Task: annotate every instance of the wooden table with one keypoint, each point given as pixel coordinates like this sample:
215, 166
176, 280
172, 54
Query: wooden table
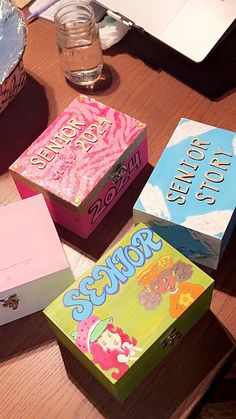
40, 379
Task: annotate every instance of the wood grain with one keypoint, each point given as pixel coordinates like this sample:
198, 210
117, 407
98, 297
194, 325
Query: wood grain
40, 379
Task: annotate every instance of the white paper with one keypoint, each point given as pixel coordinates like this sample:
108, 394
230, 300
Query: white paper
49, 13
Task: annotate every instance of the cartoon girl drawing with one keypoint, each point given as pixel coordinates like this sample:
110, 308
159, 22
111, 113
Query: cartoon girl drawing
109, 346
168, 277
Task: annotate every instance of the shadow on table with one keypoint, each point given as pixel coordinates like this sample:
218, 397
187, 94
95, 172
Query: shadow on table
107, 83
173, 388
220, 400
95, 245
22, 122
225, 275
23, 335
214, 77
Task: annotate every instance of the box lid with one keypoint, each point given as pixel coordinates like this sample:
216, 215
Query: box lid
30, 246
192, 183
74, 156
115, 311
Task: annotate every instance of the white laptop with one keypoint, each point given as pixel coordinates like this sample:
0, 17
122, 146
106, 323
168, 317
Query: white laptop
192, 27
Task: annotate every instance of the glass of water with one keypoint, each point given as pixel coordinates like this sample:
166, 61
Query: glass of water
78, 43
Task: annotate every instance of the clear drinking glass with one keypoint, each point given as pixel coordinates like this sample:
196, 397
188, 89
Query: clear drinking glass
78, 43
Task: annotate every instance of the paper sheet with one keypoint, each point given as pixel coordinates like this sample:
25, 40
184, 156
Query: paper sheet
21, 3
49, 13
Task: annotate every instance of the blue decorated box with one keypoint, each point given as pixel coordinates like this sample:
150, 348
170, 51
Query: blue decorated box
190, 196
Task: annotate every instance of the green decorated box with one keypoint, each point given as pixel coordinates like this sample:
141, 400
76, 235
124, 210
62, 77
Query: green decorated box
128, 311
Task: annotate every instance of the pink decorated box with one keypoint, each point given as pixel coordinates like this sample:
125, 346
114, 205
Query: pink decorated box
82, 163
33, 266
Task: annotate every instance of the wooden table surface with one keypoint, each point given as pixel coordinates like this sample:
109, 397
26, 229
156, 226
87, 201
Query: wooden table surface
39, 378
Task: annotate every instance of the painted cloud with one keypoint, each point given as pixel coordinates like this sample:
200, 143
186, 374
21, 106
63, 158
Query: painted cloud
153, 201
187, 129
212, 223
234, 144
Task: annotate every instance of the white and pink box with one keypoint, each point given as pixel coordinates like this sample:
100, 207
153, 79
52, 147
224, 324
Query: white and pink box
33, 266
82, 163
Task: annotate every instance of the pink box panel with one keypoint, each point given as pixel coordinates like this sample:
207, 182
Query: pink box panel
30, 246
70, 161
84, 224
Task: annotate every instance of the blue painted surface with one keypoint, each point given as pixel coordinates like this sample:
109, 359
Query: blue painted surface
196, 215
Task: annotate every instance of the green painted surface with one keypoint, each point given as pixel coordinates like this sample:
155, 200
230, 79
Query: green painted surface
168, 292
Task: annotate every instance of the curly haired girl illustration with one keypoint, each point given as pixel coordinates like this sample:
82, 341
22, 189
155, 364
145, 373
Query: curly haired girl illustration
109, 346
168, 277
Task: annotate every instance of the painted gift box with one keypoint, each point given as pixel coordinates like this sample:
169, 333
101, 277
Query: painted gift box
83, 163
124, 315
33, 266
190, 197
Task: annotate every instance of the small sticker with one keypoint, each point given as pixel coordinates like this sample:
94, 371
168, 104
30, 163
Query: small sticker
10, 302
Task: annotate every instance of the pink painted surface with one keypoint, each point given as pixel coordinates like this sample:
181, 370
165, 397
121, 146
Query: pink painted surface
84, 224
30, 246
73, 173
